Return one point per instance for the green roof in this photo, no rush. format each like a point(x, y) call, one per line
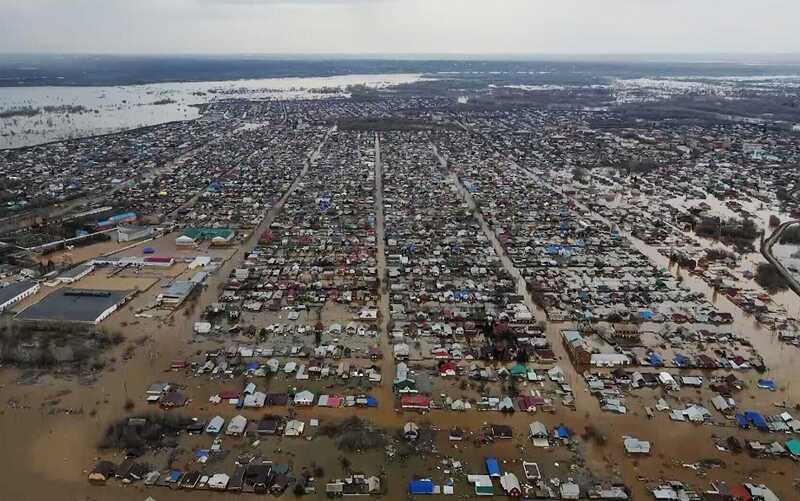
point(207, 233)
point(794, 446)
point(518, 369)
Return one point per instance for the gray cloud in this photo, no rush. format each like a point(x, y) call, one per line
point(399, 26)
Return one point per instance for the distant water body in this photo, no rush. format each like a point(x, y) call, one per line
point(35, 115)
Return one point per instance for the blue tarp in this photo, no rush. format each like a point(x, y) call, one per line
point(767, 384)
point(646, 314)
point(680, 360)
point(372, 402)
point(253, 366)
point(654, 359)
point(741, 420)
point(492, 467)
point(148, 250)
point(562, 432)
point(174, 475)
point(553, 249)
point(756, 420)
point(420, 486)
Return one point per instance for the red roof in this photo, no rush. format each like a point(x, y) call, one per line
point(415, 401)
point(157, 259)
point(447, 366)
point(740, 493)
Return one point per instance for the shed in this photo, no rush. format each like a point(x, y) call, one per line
point(510, 484)
point(218, 481)
point(570, 490)
point(483, 484)
point(636, 446)
point(423, 486)
point(304, 397)
point(215, 425)
point(493, 467)
point(236, 426)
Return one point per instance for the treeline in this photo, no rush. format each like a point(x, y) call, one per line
point(769, 277)
point(30, 111)
point(791, 235)
point(739, 232)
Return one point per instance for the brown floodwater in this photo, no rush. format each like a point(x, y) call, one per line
point(47, 455)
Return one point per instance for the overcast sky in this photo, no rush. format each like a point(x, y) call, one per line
point(401, 26)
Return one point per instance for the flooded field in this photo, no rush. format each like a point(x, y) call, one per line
point(450, 286)
point(35, 115)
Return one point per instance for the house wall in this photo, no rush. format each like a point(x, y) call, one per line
point(105, 314)
point(33, 290)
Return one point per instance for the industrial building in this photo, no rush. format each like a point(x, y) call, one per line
point(130, 233)
point(176, 293)
point(76, 273)
point(76, 305)
point(217, 236)
point(16, 292)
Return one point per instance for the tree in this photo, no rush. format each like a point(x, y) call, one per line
point(580, 173)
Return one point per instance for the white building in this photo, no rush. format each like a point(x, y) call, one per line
point(304, 398)
point(16, 292)
point(129, 233)
point(236, 426)
point(218, 481)
point(76, 273)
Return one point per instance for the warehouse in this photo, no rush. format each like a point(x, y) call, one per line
point(76, 305)
point(217, 236)
point(16, 292)
point(176, 293)
point(76, 273)
point(129, 233)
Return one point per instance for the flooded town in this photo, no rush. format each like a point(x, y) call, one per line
point(429, 285)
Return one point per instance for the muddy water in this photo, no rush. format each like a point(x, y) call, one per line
point(678, 443)
point(47, 455)
point(52, 452)
point(686, 444)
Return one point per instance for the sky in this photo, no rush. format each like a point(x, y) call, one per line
point(502, 27)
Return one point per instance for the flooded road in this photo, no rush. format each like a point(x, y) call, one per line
point(56, 448)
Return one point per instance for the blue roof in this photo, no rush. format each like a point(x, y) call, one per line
point(681, 360)
point(372, 402)
point(174, 475)
point(420, 486)
point(553, 248)
point(562, 431)
point(654, 358)
point(756, 419)
point(741, 420)
point(646, 314)
point(493, 467)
